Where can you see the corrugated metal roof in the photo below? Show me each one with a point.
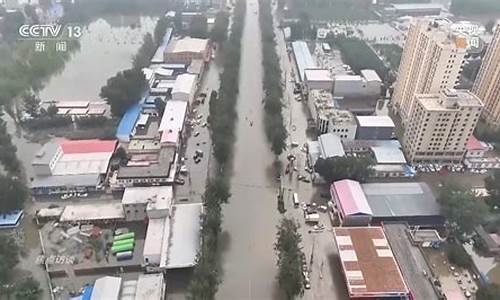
(185, 237)
(350, 197)
(330, 145)
(370, 75)
(392, 199)
(303, 58)
(184, 83)
(88, 146)
(127, 123)
(107, 288)
(388, 155)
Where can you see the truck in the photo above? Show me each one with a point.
(123, 242)
(124, 236)
(124, 255)
(122, 248)
(312, 218)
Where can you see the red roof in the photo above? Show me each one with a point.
(370, 269)
(87, 146)
(350, 197)
(475, 144)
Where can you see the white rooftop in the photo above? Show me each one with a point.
(330, 145)
(188, 45)
(158, 231)
(370, 75)
(388, 155)
(106, 288)
(318, 75)
(375, 121)
(82, 163)
(157, 194)
(92, 212)
(185, 236)
(150, 287)
(173, 116)
(185, 83)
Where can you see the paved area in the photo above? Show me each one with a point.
(411, 262)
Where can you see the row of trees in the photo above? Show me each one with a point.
(206, 277)
(289, 262)
(219, 31)
(273, 92)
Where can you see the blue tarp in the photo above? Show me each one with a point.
(87, 292)
(127, 123)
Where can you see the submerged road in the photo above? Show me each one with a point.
(249, 223)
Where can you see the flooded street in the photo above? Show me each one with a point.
(250, 218)
(106, 47)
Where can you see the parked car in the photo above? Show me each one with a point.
(179, 181)
(183, 169)
(82, 195)
(197, 133)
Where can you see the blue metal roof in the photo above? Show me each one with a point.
(127, 122)
(10, 220)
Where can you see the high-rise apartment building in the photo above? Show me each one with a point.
(440, 125)
(431, 62)
(487, 84)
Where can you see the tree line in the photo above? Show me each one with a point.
(206, 277)
(273, 92)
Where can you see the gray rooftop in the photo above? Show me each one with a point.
(65, 181)
(395, 199)
(160, 169)
(330, 145)
(45, 154)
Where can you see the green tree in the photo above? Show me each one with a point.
(198, 27)
(489, 291)
(9, 257)
(160, 30)
(219, 31)
(31, 105)
(492, 185)
(461, 207)
(289, 262)
(13, 194)
(143, 57)
(457, 255)
(489, 26)
(337, 168)
(28, 289)
(123, 90)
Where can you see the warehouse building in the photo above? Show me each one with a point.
(374, 203)
(303, 59)
(172, 123)
(71, 166)
(158, 57)
(368, 264)
(410, 202)
(413, 9)
(187, 49)
(141, 203)
(352, 206)
(318, 79)
(374, 128)
(185, 87)
(366, 84)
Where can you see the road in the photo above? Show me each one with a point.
(250, 218)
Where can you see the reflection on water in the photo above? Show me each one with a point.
(106, 47)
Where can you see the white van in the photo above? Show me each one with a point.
(295, 200)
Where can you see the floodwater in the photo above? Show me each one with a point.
(250, 218)
(106, 47)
